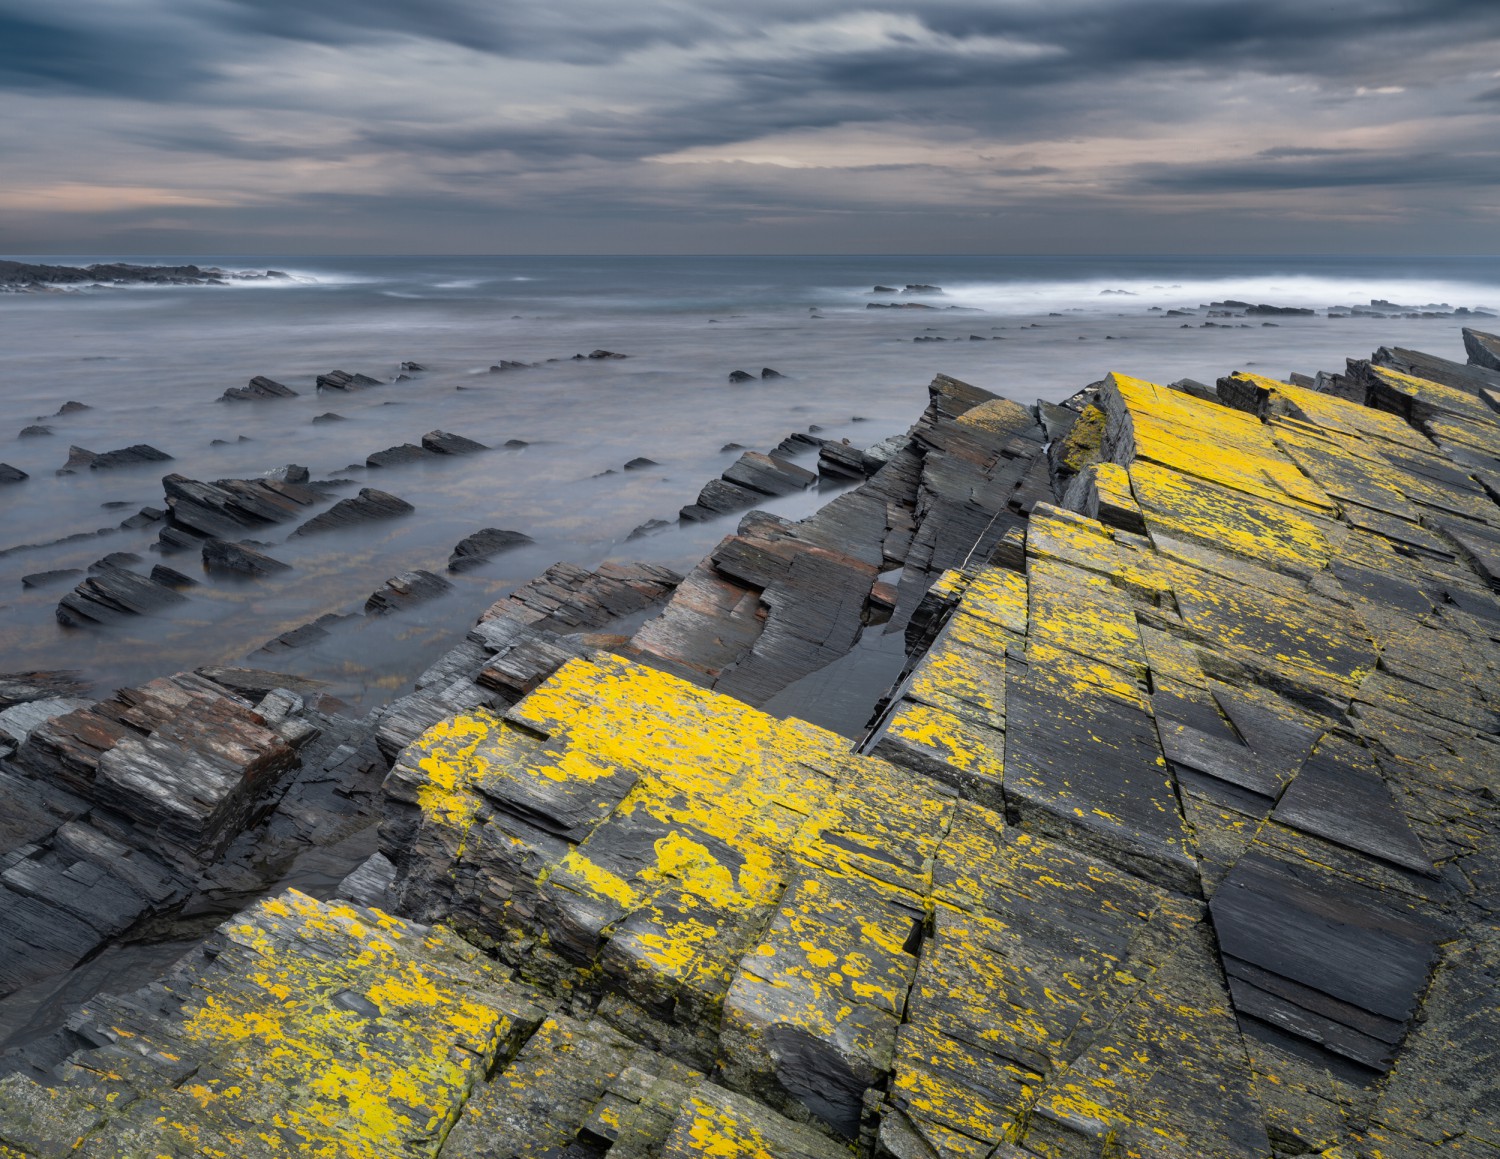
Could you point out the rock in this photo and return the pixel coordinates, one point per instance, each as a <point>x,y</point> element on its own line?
<point>505,364</point>
<point>413,366</point>
<point>35,431</point>
<point>1173,833</point>
<point>1285,311</point>
<point>398,456</point>
<point>328,417</point>
<point>767,475</point>
<point>606,354</point>
<point>408,588</point>
<point>641,463</point>
<point>304,634</point>
<point>442,443</point>
<point>732,447</point>
<point>719,497</point>
<point>921,289</point>
<point>767,372</point>
<point>884,290</point>
<point>228,508</point>
<point>18,721</point>
<point>115,559</point>
<point>898,306</point>
<point>650,527</point>
<point>145,517</point>
<point>112,593</point>
<point>9,474</point>
<point>170,577</point>
<point>797,443</point>
<point>367,506</point>
<point>20,687</point>
<point>259,387</point>
<point>342,380</point>
<point>71,407</point>
<point>567,598</point>
<point>473,550</point>
<point>741,376</point>
<point>40,579</point>
<point>124,457</point>
<point>1483,349</point>
<point>370,884</point>
<point>516,444</point>
<point>841,461</point>
<point>221,556</point>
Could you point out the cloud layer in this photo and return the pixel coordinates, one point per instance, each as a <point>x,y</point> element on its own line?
<point>760,125</point>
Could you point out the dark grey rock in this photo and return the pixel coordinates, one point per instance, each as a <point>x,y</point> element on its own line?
<point>398,456</point>
<point>641,463</point>
<point>40,579</point>
<point>222,556</point>
<point>369,505</point>
<point>170,577</point>
<point>259,387</point>
<point>443,443</point>
<point>411,587</point>
<point>111,594</point>
<point>473,550</point>
<point>9,474</point>
<point>342,380</point>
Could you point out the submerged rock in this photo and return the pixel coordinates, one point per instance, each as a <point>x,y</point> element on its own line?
<point>124,457</point>
<point>443,443</point>
<point>259,387</point>
<point>9,474</point>
<point>368,506</point>
<point>473,550</point>
<point>221,556</point>
<point>410,587</point>
<point>114,592</point>
<point>344,381</point>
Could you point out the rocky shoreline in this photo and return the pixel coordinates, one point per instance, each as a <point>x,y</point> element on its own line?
<point>1176,834</point>
<point>31,278</point>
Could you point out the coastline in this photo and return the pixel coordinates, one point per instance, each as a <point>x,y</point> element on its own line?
<point>1149,634</point>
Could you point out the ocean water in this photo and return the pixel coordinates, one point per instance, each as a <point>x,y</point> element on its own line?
<point>152,362</point>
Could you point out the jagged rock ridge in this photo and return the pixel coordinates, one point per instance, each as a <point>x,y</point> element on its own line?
<point>1177,836</point>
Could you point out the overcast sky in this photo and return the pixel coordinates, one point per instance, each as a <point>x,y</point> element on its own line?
<point>748,126</point>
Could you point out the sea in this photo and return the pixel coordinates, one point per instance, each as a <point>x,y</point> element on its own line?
<point>151,363</point>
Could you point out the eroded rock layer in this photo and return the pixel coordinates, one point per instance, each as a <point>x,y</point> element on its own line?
<point>1176,837</point>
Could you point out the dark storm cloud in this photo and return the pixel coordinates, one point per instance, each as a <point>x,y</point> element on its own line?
<point>1345,171</point>
<point>133,62</point>
<point>469,104</point>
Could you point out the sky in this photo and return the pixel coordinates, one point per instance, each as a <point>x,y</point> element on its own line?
<point>750,126</point>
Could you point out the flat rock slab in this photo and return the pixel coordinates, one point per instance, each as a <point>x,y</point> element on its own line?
<point>259,387</point>
<point>444,443</point>
<point>112,593</point>
<point>368,506</point>
<point>474,550</point>
<point>124,457</point>
<point>342,380</point>
<point>411,587</point>
<point>237,558</point>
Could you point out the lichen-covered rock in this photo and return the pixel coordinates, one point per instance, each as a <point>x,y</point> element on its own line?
<point>300,1027</point>
<point>1177,836</point>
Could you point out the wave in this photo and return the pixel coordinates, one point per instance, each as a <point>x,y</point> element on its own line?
<point>1101,295</point>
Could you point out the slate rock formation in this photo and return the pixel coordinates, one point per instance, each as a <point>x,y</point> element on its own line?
<point>473,550</point>
<point>1176,836</point>
<point>259,387</point>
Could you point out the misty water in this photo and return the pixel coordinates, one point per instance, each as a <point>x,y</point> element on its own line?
<point>151,363</point>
